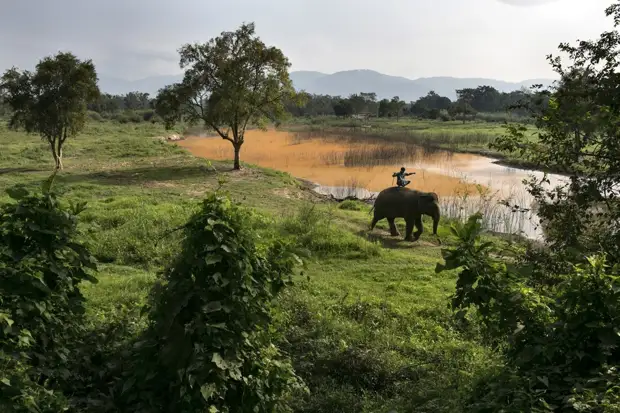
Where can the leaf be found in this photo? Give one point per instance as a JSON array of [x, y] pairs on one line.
[[17, 192], [544, 380], [128, 385], [213, 306], [213, 259], [5, 381], [219, 361], [207, 391]]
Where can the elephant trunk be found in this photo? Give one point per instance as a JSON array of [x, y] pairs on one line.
[[436, 216]]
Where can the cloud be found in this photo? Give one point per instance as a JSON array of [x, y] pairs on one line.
[[139, 38], [527, 3]]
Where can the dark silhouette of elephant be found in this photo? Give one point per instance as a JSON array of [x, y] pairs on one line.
[[410, 204]]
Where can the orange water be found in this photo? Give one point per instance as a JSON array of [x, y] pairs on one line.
[[320, 161]]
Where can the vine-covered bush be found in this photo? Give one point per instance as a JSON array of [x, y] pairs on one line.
[[41, 307], [561, 341], [208, 346]]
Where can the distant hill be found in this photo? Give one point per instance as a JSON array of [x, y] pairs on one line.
[[343, 83], [385, 86]]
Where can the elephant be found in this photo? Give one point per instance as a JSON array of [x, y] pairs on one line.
[[409, 204]]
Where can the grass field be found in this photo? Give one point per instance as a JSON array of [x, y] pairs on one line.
[[367, 323]]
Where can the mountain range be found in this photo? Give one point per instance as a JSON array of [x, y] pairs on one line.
[[345, 83]]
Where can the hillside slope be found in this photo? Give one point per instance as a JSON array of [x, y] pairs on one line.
[[343, 83]]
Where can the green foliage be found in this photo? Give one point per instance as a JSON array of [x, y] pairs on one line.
[[52, 101], [353, 205], [578, 133], [41, 306], [230, 82], [208, 347], [561, 342]]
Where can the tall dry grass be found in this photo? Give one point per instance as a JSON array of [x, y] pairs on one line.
[[412, 136], [496, 216]]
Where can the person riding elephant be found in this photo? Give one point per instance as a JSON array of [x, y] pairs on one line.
[[410, 204], [400, 177]]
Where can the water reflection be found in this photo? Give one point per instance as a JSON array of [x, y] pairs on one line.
[[343, 168]]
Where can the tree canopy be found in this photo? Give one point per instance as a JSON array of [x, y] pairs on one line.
[[51, 101], [230, 82]]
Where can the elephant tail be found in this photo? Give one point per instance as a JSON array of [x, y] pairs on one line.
[[371, 209]]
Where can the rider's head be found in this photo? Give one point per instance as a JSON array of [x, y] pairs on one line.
[[402, 169]]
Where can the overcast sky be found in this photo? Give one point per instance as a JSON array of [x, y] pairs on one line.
[[131, 39]]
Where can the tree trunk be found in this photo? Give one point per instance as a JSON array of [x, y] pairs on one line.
[[237, 147], [56, 148], [59, 155]]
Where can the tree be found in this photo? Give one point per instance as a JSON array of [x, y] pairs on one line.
[[384, 108], [52, 101], [208, 347], [230, 81], [578, 134], [343, 108], [397, 106]]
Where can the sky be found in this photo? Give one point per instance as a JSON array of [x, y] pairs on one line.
[[133, 39]]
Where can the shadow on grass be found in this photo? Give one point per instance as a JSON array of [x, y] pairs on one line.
[[19, 170], [137, 176], [387, 241]]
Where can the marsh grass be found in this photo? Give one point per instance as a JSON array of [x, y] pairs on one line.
[[423, 138], [497, 217]]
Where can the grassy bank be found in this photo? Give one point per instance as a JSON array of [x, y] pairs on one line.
[[366, 325]]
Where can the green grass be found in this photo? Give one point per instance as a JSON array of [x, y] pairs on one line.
[[366, 325]]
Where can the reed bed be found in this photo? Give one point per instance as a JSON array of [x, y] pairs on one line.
[[423, 138], [379, 155], [496, 216]]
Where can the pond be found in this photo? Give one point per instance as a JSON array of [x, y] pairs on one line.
[[343, 167]]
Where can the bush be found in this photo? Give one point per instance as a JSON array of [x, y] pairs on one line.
[[560, 341], [208, 346], [148, 115], [352, 205], [95, 116], [41, 306]]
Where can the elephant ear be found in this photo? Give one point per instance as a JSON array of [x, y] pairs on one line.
[[432, 196]]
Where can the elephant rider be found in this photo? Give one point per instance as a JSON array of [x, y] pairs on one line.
[[400, 177]]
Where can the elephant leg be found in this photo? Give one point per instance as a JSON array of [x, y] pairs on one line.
[[393, 230], [418, 224], [374, 222], [409, 229]]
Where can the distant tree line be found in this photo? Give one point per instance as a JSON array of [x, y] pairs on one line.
[[470, 103], [132, 107], [481, 103]]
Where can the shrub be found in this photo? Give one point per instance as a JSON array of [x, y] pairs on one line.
[[148, 115], [352, 205], [41, 306], [560, 341], [95, 116], [208, 346]]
